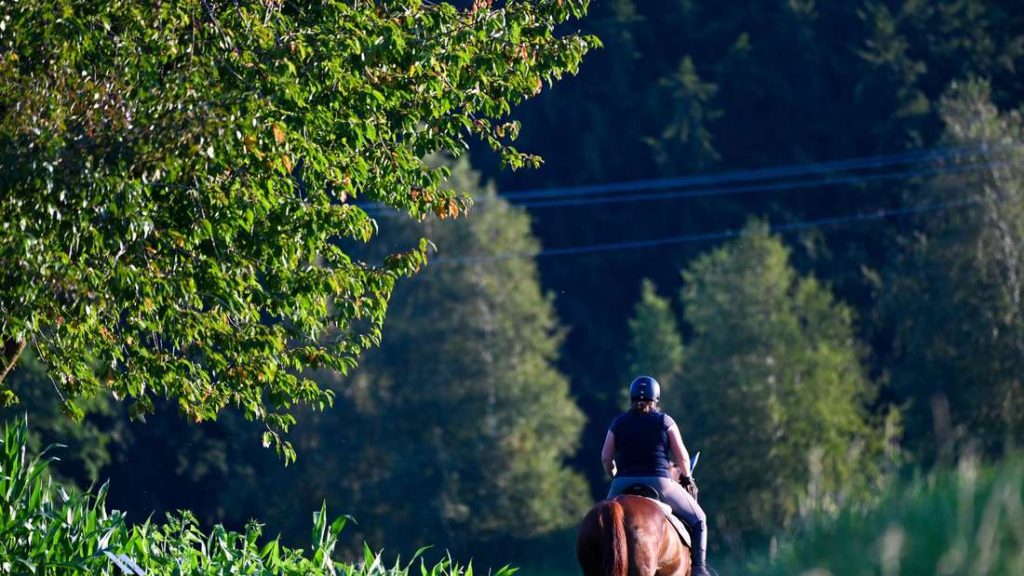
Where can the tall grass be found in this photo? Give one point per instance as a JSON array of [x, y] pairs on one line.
[[967, 522], [46, 529]]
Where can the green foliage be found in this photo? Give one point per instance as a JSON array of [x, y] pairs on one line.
[[969, 522], [457, 429], [681, 87], [179, 176], [484, 416], [772, 84], [956, 295], [774, 387], [655, 346], [44, 529], [91, 442], [686, 137], [909, 66]]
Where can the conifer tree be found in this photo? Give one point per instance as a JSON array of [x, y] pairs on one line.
[[456, 431], [686, 139], [655, 346], [775, 386]]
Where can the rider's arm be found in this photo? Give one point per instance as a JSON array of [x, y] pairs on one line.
[[679, 454], [608, 454]]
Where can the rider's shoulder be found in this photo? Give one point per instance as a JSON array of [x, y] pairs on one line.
[[616, 420], [667, 421]]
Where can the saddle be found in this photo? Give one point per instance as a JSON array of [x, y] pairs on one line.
[[653, 493]]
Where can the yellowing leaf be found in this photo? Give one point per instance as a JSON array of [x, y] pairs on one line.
[[450, 209], [278, 133]]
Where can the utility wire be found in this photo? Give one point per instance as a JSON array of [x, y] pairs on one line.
[[773, 187], [379, 210], [675, 187], [880, 214], [809, 168]]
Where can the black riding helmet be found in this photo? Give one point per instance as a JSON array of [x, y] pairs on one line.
[[644, 388]]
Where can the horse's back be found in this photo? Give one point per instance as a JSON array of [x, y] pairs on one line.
[[629, 536]]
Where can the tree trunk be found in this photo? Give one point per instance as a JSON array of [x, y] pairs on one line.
[[12, 350]]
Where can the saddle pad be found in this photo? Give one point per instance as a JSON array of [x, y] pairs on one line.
[[677, 524]]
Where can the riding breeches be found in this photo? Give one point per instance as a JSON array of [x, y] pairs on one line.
[[683, 505]]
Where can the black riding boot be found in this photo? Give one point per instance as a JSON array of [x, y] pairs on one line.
[[701, 570], [700, 542]]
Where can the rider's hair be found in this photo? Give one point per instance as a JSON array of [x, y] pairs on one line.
[[645, 406]]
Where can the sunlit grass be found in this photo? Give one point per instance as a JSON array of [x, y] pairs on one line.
[[47, 530], [964, 522]]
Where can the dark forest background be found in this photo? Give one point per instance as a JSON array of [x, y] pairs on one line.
[[819, 330]]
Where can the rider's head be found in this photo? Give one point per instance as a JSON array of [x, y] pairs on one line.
[[644, 394]]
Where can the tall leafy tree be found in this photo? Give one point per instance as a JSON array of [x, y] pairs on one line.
[[775, 386], [956, 295], [456, 430], [655, 346], [179, 176]]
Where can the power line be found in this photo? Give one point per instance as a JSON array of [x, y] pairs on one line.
[[800, 184], [760, 188], [710, 236], [801, 169]]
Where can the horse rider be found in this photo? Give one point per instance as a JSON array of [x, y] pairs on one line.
[[640, 448]]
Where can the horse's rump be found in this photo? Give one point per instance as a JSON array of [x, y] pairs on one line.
[[630, 536]]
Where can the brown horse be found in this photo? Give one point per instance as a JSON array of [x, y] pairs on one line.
[[630, 536]]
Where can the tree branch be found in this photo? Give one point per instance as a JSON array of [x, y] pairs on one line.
[[12, 350]]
